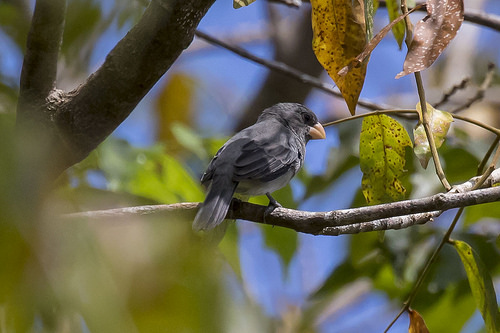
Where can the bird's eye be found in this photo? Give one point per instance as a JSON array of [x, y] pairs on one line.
[[307, 117]]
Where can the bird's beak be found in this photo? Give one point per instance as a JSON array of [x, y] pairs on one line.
[[317, 132]]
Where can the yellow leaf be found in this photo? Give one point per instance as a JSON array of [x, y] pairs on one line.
[[417, 323], [173, 106], [440, 122], [339, 36], [241, 3]]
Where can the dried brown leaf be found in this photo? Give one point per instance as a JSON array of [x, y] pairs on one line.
[[417, 323], [433, 33]]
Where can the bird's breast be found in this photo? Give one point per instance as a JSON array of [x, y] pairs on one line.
[[256, 187]]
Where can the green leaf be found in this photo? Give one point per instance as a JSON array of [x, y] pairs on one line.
[[282, 240], [382, 158], [398, 30], [459, 164], [481, 286], [339, 31], [229, 248], [447, 311], [241, 3], [370, 10], [440, 122]]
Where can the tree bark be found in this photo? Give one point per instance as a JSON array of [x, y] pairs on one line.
[[72, 124]]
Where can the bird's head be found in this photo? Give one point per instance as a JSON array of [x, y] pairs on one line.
[[298, 118]]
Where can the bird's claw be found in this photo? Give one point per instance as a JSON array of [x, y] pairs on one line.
[[273, 204]]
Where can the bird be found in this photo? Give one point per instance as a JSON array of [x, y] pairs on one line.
[[258, 160]]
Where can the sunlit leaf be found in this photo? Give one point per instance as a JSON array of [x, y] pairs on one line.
[[481, 286], [417, 323], [382, 148], [363, 56], [440, 122], [241, 3], [339, 36], [398, 30], [433, 34]]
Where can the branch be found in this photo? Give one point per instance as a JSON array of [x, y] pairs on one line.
[[394, 215], [92, 111], [470, 15], [39, 70], [287, 70], [490, 74]]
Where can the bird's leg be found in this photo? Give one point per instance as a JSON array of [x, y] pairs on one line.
[[273, 204]]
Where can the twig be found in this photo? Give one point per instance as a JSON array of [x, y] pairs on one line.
[[285, 69], [400, 113], [333, 222], [480, 168], [480, 92], [471, 15], [452, 91], [474, 16]]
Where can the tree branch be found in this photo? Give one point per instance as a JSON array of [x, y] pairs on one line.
[[39, 70], [394, 215], [92, 111]]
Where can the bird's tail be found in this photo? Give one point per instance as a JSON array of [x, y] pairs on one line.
[[214, 209]]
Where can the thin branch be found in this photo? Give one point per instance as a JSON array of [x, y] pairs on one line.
[[474, 16], [285, 69], [482, 89], [39, 70], [333, 222], [470, 15], [452, 92]]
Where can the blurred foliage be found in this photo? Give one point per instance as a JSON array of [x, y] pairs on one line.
[[152, 274]]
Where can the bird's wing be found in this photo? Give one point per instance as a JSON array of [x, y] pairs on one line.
[[208, 174], [267, 160]]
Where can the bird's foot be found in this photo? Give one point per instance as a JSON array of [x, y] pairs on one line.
[[273, 204]]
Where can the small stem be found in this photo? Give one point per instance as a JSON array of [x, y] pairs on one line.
[[373, 113], [478, 123], [481, 166], [424, 117], [428, 132]]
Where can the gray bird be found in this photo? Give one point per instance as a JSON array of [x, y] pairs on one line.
[[258, 160]]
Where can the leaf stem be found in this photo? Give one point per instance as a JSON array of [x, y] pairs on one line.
[[424, 117]]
